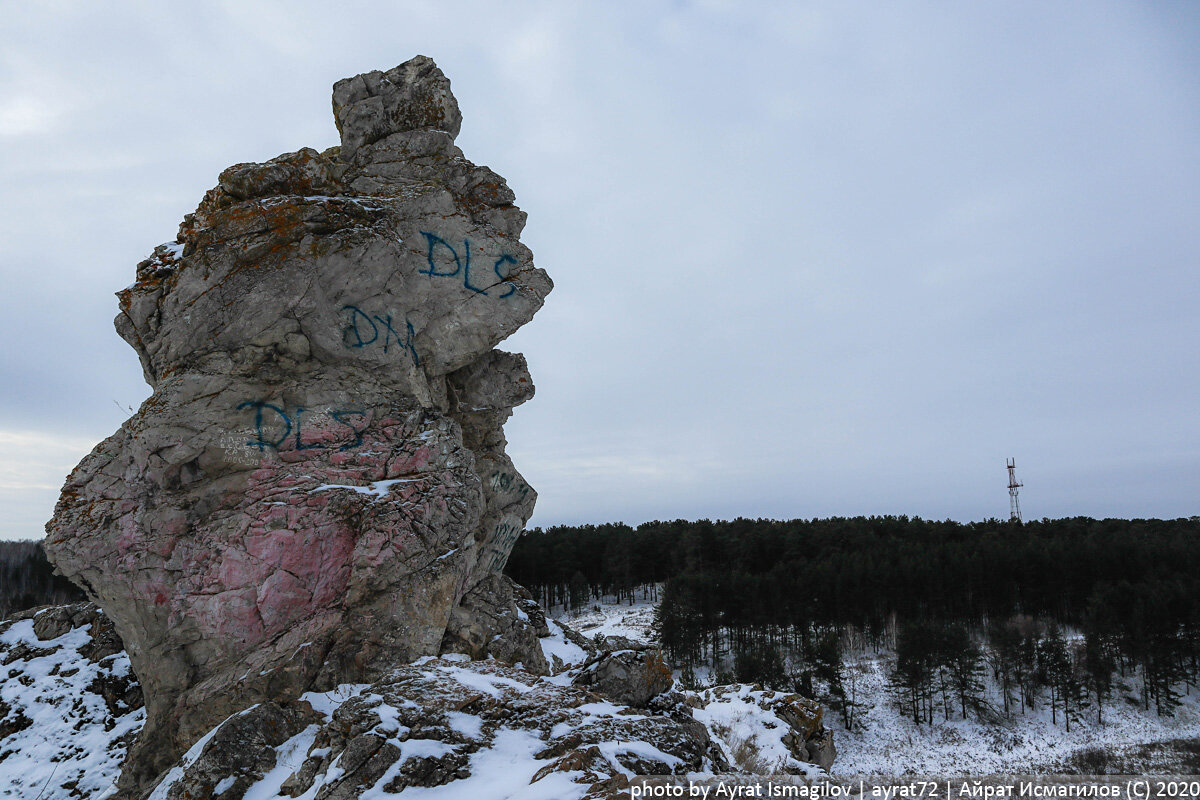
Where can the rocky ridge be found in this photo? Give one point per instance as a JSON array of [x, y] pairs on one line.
[[483, 729], [448, 721]]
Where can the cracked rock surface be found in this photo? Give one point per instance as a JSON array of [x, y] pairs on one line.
[[481, 729], [319, 479]]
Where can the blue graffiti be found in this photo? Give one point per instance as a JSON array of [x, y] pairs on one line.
[[434, 240], [299, 444], [462, 264], [353, 327], [263, 443], [339, 416], [406, 343], [354, 332], [504, 261], [291, 427]]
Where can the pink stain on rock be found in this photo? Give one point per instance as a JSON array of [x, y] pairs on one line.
[[281, 598], [295, 555]]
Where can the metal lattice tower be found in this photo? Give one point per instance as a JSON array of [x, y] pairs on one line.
[[1014, 504]]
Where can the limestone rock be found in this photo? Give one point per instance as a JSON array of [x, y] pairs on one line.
[[770, 732], [493, 619], [451, 722], [628, 677], [413, 96], [240, 752], [613, 643], [54, 621], [820, 750], [319, 479]]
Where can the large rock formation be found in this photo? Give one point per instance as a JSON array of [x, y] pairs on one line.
[[319, 478]]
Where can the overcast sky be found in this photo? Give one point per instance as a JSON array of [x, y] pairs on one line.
[[810, 259]]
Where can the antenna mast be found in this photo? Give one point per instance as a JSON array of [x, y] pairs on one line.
[[1014, 505]]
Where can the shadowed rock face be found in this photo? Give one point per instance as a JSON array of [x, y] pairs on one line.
[[319, 478]]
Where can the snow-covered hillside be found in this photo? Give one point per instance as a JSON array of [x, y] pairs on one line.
[[886, 742], [607, 618]]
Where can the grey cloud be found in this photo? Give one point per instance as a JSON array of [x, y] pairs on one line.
[[833, 259]]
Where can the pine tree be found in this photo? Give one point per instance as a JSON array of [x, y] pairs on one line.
[[828, 667], [579, 591], [1098, 660], [965, 666], [913, 671], [1004, 657]]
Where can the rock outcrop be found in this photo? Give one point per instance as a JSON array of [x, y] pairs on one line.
[[630, 676], [70, 706], [764, 731], [499, 618], [489, 729], [318, 489]]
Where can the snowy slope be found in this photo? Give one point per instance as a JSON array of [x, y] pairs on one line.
[[750, 734], [607, 618], [561, 653], [65, 721], [887, 742], [451, 729]]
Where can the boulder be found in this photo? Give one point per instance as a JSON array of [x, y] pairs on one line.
[[317, 489], [612, 643], [628, 677], [412, 97], [764, 731]]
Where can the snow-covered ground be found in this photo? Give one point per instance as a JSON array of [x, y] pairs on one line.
[[609, 618], [58, 736], [749, 733], [886, 742], [462, 730], [503, 769], [560, 651]]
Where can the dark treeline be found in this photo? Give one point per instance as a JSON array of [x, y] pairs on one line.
[[27, 579], [1054, 610]]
